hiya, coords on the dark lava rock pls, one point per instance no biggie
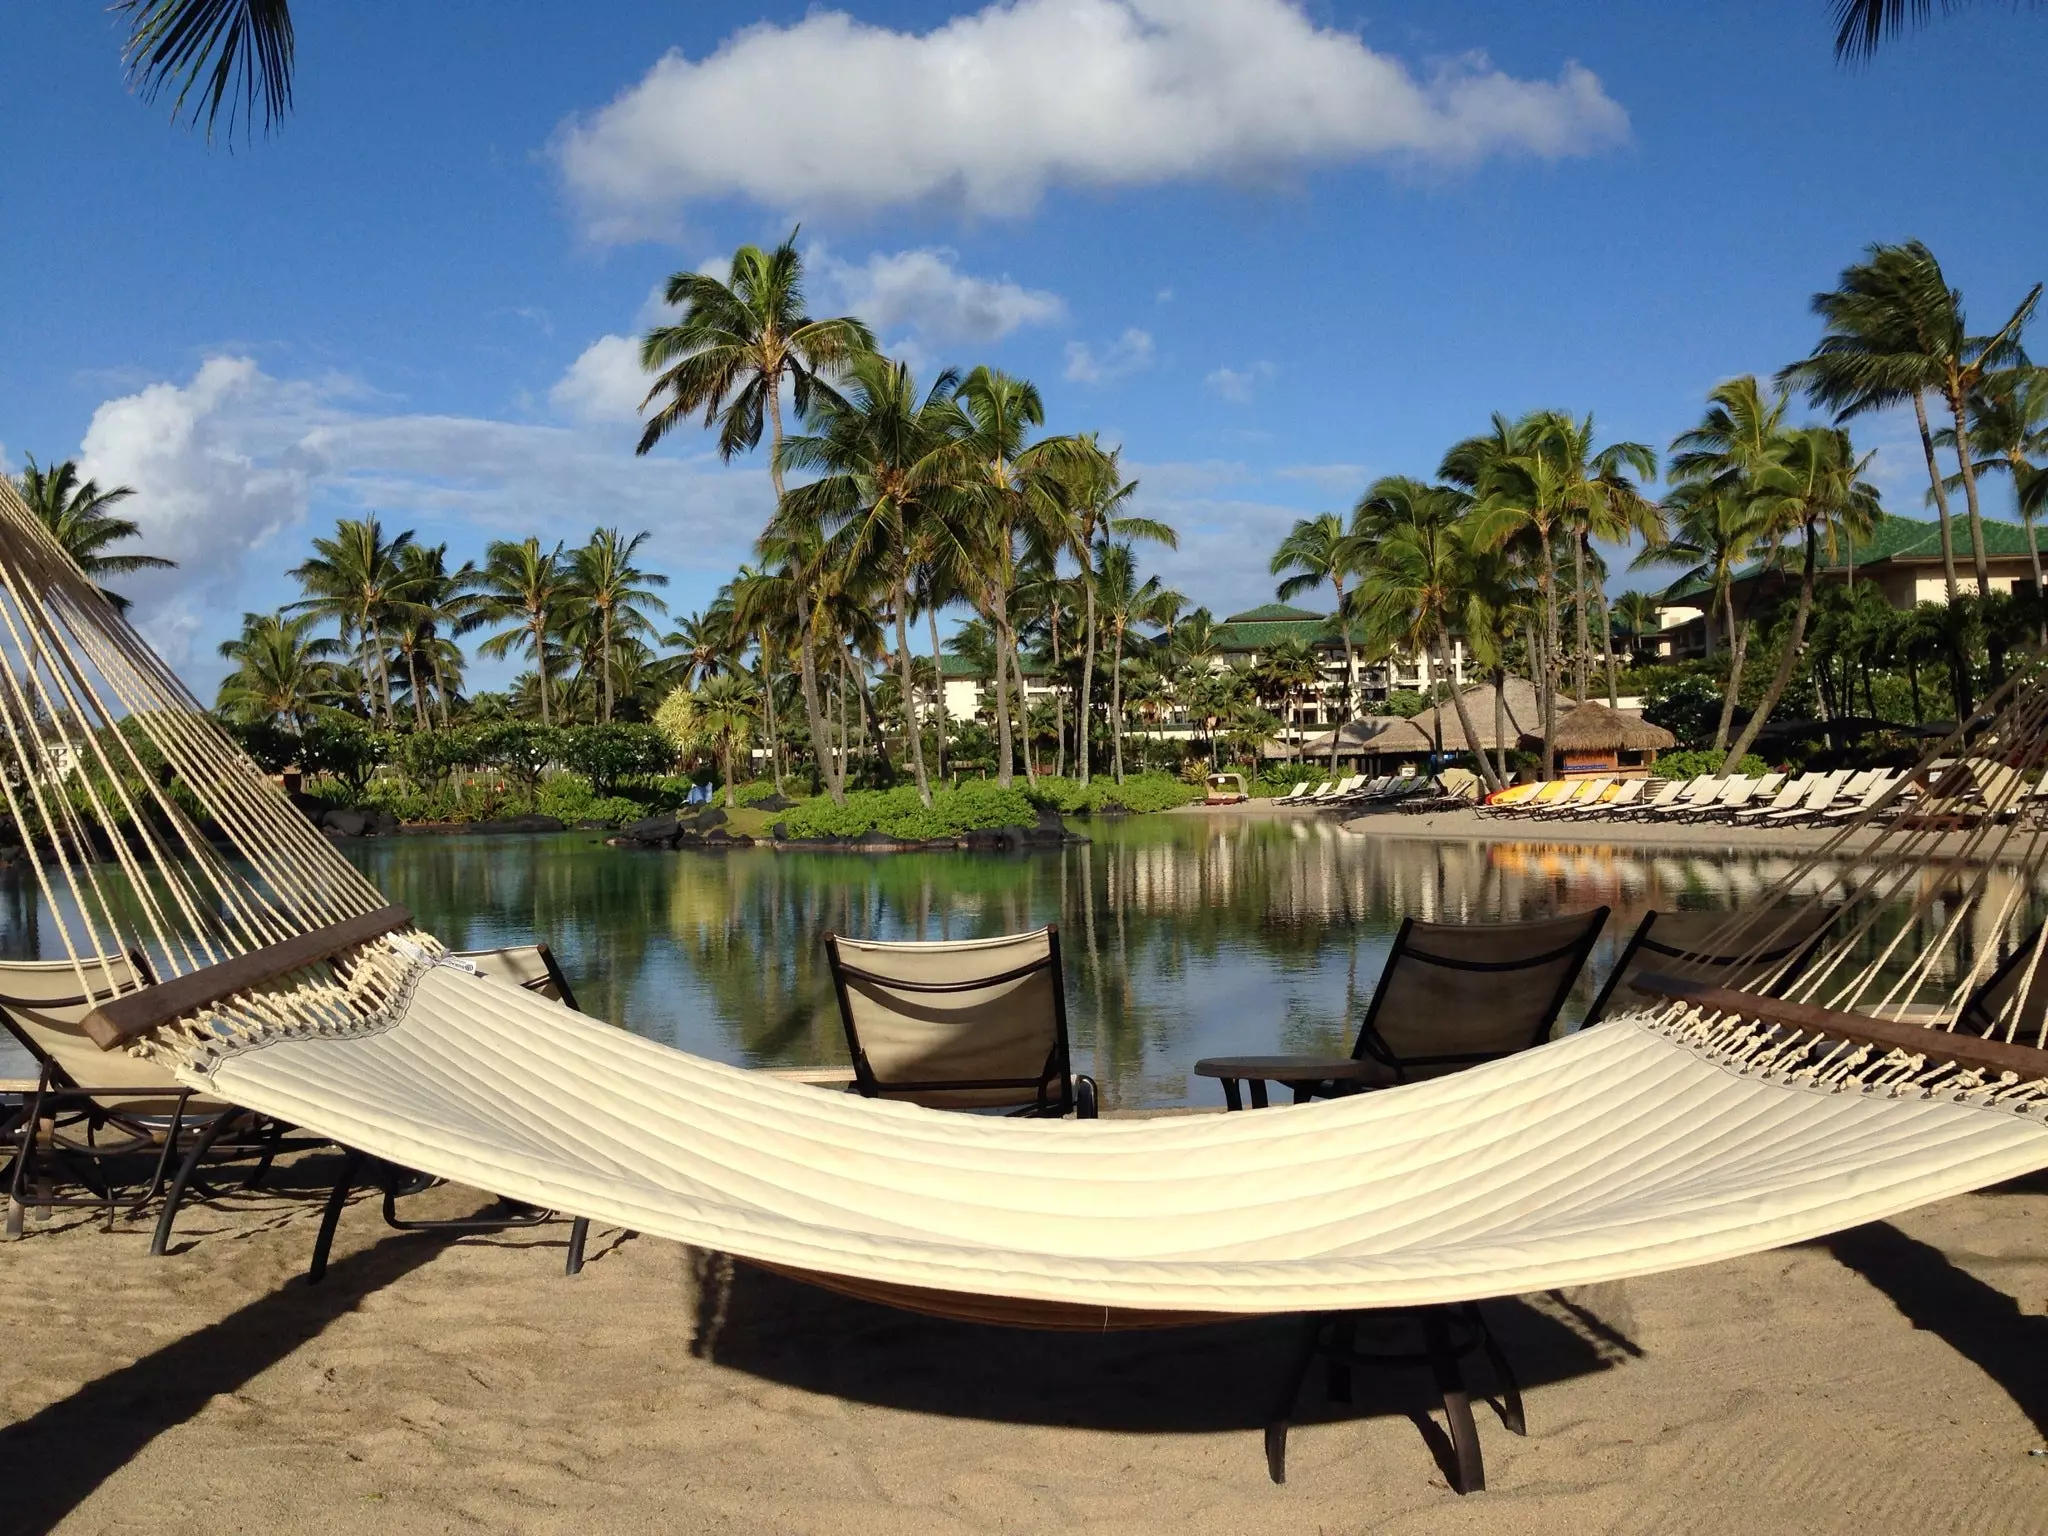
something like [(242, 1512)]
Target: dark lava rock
[(654, 830), (383, 823), (875, 837), (529, 823), (716, 837), (345, 822), (705, 820), (593, 826), (775, 803), (780, 832)]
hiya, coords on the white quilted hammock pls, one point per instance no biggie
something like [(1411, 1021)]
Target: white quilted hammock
[(1611, 1153)]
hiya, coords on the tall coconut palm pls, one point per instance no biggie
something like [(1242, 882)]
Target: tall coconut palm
[(1813, 490), (1638, 614), (355, 579), (736, 346), (436, 604), (1714, 532), (526, 589), (1863, 26), (1417, 581), (79, 516), (1604, 504), (1317, 551), (282, 671), (616, 594), (885, 457), (1124, 603), (1098, 510), (2009, 434), (1017, 489), (1895, 332)]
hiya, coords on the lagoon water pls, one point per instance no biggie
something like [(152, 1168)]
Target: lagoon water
[(1183, 936)]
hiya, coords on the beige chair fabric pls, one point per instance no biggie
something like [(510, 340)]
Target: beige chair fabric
[(42, 1007), (1456, 993), (922, 1016), (528, 966), (1702, 947), (1613, 1152)]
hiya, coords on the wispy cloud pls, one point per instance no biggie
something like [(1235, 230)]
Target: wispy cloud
[(1238, 385), (1129, 353)]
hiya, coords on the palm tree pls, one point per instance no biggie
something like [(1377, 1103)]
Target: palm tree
[(615, 593), (885, 457), (738, 343), (355, 579), (1097, 511), (1815, 490), (2009, 433), (1017, 490), (1418, 579), (437, 603), (717, 716), (77, 514), (1317, 550), (281, 670), (1639, 614), (1861, 26), (1894, 332), (1125, 603), (1714, 532), (527, 590)]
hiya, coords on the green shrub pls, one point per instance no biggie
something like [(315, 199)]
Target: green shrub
[(971, 807), (1138, 792), (1688, 765)]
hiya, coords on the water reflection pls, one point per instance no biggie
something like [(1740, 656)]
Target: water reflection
[(1184, 937)]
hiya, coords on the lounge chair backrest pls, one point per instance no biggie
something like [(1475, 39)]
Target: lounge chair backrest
[(1627, 792), (1980, 1015), (531, 967), (42, 1007), (1998, 785), (1741, 789), (1825, 790), (1791, 793), (1461, 783), (1455, 994), (1685, 944), (1705, 789), (1666, 794), (980, 1023), (1768, 784), (1858, 782)]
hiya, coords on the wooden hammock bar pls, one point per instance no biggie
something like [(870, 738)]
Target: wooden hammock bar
[(121, 1020), (1859, 1028)]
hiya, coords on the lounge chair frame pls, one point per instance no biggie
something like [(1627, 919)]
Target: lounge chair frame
[(1077, 1092), (1796, 950)]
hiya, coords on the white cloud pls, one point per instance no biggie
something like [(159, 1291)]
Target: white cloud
[(990, 109), (1342, 479), (605, 384), (1129, 353), (1237, 385), (924, 290), (231, 465)]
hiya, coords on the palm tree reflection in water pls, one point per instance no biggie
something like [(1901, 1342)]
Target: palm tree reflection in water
[(1184, 936)]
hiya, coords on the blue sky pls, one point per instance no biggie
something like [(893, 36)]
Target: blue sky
[(1274, 250)]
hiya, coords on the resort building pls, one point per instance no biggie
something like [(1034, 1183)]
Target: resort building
[(1241, 642), (1902, 559)]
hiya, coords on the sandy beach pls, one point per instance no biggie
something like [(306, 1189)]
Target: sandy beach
[(1890, 1379)]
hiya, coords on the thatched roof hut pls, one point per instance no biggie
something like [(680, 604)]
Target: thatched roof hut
[(1523, 709), (1593, 738)]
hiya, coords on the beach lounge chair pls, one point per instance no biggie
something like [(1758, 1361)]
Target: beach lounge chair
[(970, 1024), (1789, 795), (1878, 786), (1734, 795), (1501, 801), (94, 1115), (1744, 797), (1699, 793), (1821, 793), (1589, 793), (1666, 793), (1547, 794), (1294, 794), (1763, 955), (1450, 996), (1615, 804)]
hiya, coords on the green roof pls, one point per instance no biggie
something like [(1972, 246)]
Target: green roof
[(1896, 538), (1274, 613), (960, 666)]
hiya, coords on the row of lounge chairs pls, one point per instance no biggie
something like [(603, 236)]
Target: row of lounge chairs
[(1357, 790), (1776, 799)]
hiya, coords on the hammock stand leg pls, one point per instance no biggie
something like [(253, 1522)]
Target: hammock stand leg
[(337, 1201), (176, 1194), (1333, 1338)]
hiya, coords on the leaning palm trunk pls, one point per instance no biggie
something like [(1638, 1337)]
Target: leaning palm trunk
[(1738, 644), (604, 649), (1607, 652), (1948, 544), (1004, 736), (910, 721), (1500, 725), (1087, 677), (768, 717), (540, 664), (1959, 410), (807, 674), (1550, 640), (2018, 467), (1582, 660), (1786, 661), (1465, 719), (1350, 678), (931, 615), (1116, 702), (1022, 724), (872, 719)]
